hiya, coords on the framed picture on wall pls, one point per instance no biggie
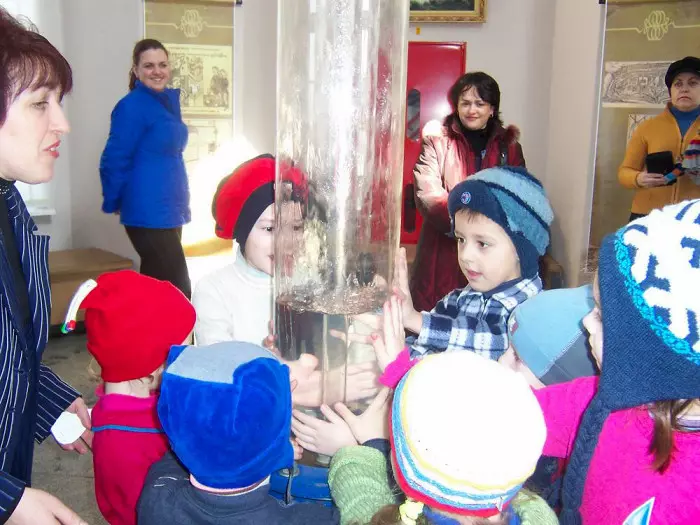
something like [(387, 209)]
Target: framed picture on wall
[(473, 11)]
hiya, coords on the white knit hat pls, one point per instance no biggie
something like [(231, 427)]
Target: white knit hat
[(467, 432)]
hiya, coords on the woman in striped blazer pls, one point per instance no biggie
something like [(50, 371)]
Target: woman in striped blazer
[(33, 79)]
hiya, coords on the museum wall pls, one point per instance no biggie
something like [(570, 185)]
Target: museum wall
[(641, 40), (55, 196), (573, 117), (99, 36), (544, 55)]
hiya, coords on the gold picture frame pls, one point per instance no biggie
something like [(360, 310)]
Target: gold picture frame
[(465, 11)]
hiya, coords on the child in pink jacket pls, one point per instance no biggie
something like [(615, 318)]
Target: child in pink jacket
[(632, 435), (132, 321)]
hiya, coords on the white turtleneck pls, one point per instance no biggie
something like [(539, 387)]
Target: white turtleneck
[(233, 303)]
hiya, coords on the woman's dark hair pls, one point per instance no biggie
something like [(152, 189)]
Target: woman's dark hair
[(139, 48), (486, 87), (28, 61), (666, 415)]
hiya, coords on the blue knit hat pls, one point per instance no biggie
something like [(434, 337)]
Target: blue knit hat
[(226, 409), (547, 333), (516, 201), (649, 278)]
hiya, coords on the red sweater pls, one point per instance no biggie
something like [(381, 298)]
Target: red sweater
[(128, 440)]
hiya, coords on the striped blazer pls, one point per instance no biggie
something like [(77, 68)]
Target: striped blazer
[(53, 395)]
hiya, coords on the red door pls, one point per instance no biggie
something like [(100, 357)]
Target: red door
[(432, 69)]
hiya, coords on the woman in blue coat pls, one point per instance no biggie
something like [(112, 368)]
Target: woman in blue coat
[(142, 168)]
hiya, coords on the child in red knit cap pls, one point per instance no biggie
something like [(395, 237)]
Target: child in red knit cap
[(132, 321)]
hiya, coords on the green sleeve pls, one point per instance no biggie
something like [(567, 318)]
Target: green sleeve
[(359, 483), (533, 510)]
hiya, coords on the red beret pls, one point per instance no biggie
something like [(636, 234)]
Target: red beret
[(233, 192), (132, 321)]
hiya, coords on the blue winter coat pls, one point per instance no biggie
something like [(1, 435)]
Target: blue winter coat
[(142, 169)]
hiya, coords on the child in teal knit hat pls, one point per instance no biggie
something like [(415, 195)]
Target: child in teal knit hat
[(500, 222)]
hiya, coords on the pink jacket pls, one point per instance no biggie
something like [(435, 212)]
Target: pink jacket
[(621, 484), (128, 440)]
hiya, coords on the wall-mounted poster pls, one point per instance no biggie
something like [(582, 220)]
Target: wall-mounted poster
[(203, 75), (448, 11), (635, 84), (641, 39)]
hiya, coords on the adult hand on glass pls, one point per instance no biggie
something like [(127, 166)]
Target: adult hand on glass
[(37, 507), (319, 436), (393, 341), (84, 443), (650, 180), (412, 319), (373, 423), (306, 380)]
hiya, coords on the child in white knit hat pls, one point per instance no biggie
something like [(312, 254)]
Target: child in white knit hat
[(454, 466)]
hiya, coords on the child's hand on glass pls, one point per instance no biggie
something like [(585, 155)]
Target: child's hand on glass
[(393, 340), (319, 436), (270, 342), (298, 449), (373, 423), (412, 319), (306, 380)]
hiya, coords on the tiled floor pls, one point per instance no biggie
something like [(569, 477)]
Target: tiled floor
[(67, 475)]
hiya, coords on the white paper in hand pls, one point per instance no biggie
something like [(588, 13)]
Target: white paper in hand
[(68, 428)]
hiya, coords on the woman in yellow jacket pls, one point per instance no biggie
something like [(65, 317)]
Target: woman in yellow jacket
[(670, 131)]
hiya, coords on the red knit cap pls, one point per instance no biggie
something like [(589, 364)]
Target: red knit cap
[(132, 321), (235, 189)]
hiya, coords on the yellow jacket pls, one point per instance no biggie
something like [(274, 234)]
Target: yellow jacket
[(660, 133)]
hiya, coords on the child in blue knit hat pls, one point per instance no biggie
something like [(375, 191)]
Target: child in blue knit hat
[(548, 346), (500, 221), (632, 436), (226, 409)]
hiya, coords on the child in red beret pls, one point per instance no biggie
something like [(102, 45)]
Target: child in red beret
[(132, 321), (234, 303)]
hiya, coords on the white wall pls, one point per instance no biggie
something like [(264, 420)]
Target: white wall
[(573, 119), (47, 16), (513, 46), (99, 37), (255, 34)]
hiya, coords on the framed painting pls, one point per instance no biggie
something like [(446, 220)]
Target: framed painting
[(473, 11)]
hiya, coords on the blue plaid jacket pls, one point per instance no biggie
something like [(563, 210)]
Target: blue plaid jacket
[(469, 320)]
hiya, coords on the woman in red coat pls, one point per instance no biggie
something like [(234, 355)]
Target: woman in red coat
[(472, 138)]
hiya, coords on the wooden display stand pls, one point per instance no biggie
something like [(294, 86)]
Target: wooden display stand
[(68, 269)]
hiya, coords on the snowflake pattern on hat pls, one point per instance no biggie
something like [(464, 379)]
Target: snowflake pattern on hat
[(660, 257)]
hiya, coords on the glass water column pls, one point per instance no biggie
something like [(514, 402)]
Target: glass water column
[(341, 77)]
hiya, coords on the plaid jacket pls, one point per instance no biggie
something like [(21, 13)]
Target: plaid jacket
[(469, 320)]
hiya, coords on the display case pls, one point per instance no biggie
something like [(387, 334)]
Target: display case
[(340, 133)]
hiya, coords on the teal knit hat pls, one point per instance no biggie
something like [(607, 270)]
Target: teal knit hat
[(649, 278), (516, 201), (547, 333)]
